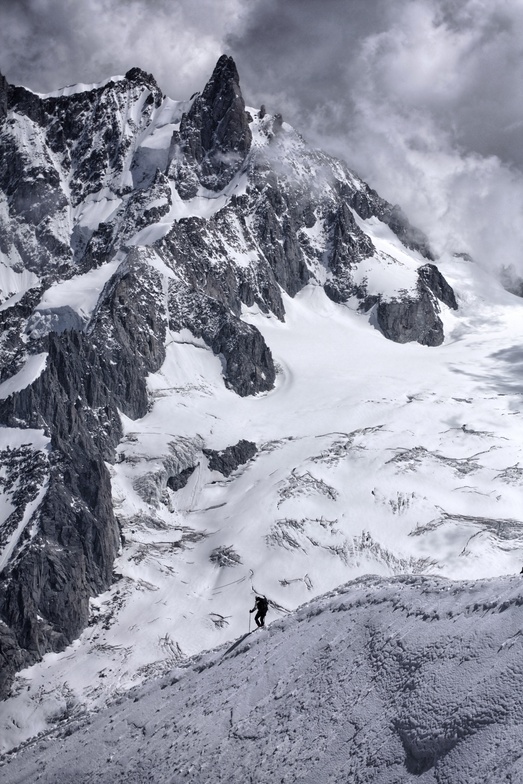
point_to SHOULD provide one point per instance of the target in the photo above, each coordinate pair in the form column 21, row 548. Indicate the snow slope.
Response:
column 403, row 459
column 405, row 679
column 372, row 457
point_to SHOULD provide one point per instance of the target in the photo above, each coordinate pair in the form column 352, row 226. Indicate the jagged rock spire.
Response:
column 215, row 131
column 3, row 96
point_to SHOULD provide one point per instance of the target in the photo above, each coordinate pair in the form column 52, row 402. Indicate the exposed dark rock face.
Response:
column 25, row 470
column 411, row 319
column 227, row 460
column 180, row 480
column 248, row 363
column 215, row 131
column 349, row 245
column 415, row 318
column 275, row 229
column 13, row 348
column 3, row 97
column 45, row 588
column 187, row 249
column 12, row 658
column 93, row 131
column 431, row 277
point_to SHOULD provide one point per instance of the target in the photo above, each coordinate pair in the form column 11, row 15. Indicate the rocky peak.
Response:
column 135, row 76
column 215, row 131
column 224, row 85
column 138, row 75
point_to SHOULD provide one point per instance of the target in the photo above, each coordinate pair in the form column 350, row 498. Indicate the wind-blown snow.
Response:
column 393, row 269
column 97, row 208
column 407, row 679
column 80, row 87
column 13, row 284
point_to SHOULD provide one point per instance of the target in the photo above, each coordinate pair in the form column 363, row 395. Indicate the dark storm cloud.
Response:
column 424, row 98
column 461, row 61
column 302, row 51
column 46, row 44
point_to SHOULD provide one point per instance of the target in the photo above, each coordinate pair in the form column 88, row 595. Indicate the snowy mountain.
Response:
column 227, row 365
column 385, row 680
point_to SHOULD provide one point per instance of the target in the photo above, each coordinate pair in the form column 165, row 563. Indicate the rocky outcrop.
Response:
column 93, row 132
column 66, row 555
column 415, row 318
column 3, row 97
column 179, row 480
column 13, row 321
column 411, row 319
column 248, row 364
column 45, row 590
column 348, row 245
column 227, row 460
column 431, row 278
column 275, row 228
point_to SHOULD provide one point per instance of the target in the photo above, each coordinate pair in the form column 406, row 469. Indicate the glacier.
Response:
column 178, row 277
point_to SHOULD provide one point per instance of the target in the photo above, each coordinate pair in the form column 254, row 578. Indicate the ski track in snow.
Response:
column 390, row 681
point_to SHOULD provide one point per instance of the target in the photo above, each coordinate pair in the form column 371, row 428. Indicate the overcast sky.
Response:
column 423, row 98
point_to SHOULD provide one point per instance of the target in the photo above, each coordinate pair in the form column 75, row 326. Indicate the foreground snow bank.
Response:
column 383, row 680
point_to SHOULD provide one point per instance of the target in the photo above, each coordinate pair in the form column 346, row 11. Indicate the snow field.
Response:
column 402, row 459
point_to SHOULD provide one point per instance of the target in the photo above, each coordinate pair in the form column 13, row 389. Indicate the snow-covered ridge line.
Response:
column 381, row 680
column 79, row 87
column 34, row 366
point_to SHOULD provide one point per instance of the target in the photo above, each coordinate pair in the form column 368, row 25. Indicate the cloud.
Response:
column 46, row 44
column 424, row 98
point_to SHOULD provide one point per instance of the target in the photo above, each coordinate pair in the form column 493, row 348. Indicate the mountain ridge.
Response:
column 402, row 679
column 155, row 256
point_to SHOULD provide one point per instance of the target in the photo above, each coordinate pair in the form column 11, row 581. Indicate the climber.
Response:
column 261, row 605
